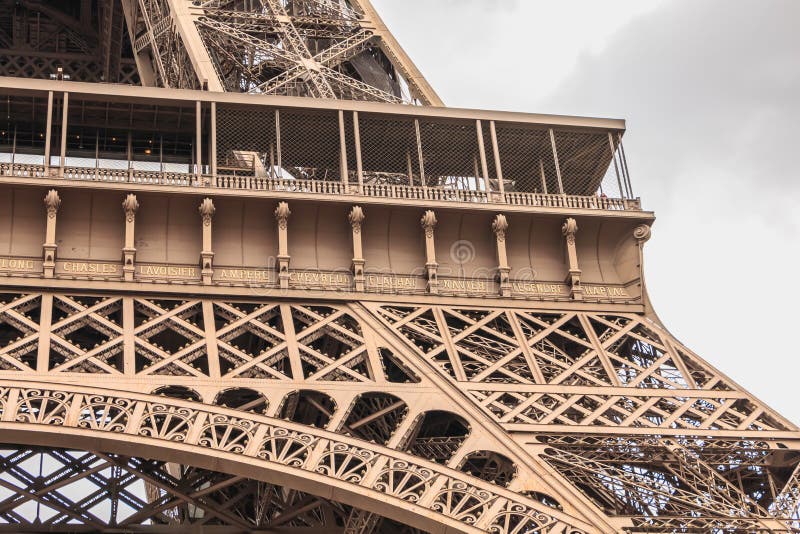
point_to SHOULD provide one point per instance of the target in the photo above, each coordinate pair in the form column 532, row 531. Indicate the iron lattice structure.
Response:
column 251, row 313
column 313, row 48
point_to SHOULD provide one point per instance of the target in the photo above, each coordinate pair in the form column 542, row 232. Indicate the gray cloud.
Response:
column 710, row 91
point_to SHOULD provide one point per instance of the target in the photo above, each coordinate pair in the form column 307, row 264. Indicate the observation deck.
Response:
column 282, row 146
column 500, row 197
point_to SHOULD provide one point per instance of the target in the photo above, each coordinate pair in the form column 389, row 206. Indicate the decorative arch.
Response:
column 438, row 435
column 490, row 466
column 375, row 416
column 380, row 480
column 242, row 399
column 308, row 407
column 178, row 392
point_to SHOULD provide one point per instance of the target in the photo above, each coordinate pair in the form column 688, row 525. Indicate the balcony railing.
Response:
column 252, row 183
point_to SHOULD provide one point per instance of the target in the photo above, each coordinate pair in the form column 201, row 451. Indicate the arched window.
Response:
column 543, row 498
column 438, row 436
column 244, row 399
column 179, row 392
column 308, row 408
column 489, row 466
column 375, row 417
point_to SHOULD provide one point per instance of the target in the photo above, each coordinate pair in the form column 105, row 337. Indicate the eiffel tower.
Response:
column 255, row 277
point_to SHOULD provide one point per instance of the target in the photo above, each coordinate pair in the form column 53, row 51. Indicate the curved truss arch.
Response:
column 374, row 478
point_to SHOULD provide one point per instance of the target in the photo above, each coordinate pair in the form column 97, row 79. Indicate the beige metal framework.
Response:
column 316, row 48
column 233, row 313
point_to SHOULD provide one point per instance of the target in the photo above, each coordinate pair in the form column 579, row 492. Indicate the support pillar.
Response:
column 52, row 202
column 555, row 160
column 207, row 210
column 356, row 218
column 130, row 205
column 212, row 148
column 497, row 164
column 64, row 117
column 499, row 228
column 198, row 150
column 429, row 224
column 343, row 171
column 48, row 134
column 282, row 214
column 420, row 156
column 569, row 230
column 482, row 154
column 359, row 160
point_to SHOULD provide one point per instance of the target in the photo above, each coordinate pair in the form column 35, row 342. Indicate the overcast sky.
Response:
column 711, row 93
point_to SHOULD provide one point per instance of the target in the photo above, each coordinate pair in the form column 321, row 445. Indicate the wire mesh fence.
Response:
column 526, row 160
column 450, row 155
column 247, row 142
column 389, row 152
column 309, row 145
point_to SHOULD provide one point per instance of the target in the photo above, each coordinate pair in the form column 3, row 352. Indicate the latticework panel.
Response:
column 86, row 335
column 613, row 370
column 19, row 331
column 643, row 429
column 170, row 338
column 307, row 49
column 58, row 489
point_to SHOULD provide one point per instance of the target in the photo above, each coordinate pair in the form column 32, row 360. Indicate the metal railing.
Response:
column 291, row 185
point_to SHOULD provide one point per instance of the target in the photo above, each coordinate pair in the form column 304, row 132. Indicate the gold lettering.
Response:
column 605, row 291
column 244, row 274
column 305, row 278
column 533, row 288
column 13, row 264
column 389, row 282
column 468, row 286
column 169, row 271
column 80, row 267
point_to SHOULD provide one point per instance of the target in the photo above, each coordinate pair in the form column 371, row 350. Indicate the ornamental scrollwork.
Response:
column 518, row 518
column 398, row 475
column 345, row 462
column 43, row 407
column 130, row 206
column 286, row 447
column 404, row 480
column 229, row 434
column 100, row 412
column 52, row 201
column 170, row 423
column 462, row 501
